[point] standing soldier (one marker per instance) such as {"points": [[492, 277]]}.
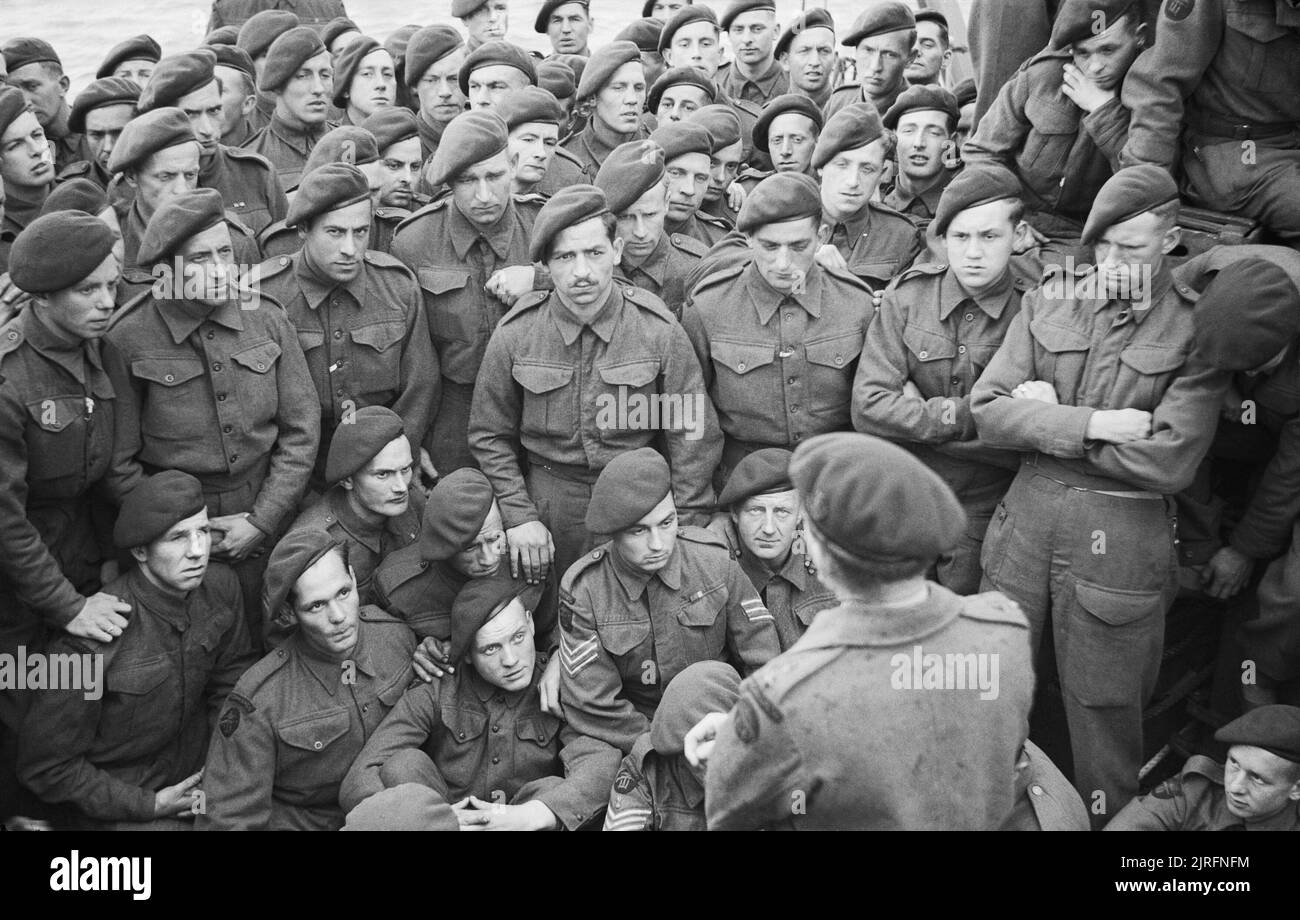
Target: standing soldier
{"points": [[256, 36], [298, 73], [882, 38], [753, 73], [566, 24], [433, 61], [483, 20], [613, 83], [397, 138], [133, 59], [35, 70], [806, 49], [540, 165], [100, 113], [494, 69], [923, 120]]}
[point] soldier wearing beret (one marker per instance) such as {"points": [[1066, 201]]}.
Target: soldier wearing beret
{"points": [[923, 121], [612, 95], [256, 36], [678, 92], [365, 80], [566, 24], [213, 382], [937, 328], [315, 13], [876, 518], [338, 34], [786, 130], [35, 69], [494, 69], [558, 78], [432, 70], [133, 59], [26, 169], [1257, 788], [129, 753], [644, 33], [534, 117], [238, 94], [483, 20], [881, 38], [297, 719], [726, 154], [396, 130], [100, 113], [1095, 385], [688, 162], [753, 73], [806, 51]]}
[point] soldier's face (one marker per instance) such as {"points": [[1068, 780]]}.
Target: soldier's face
{"points": [[724, 166], [979, 244], [1258, 783], [810, 59], [305, 99], [482, 191], [489, 22], [881, 60], [234, 93], [82, 311], [922, 141], [324, 601], [695, 45], [652, 63], [374, 85], [766, 524], [568, 28], [103, 127], [503, 652], [850, 178], [336, 241], [398, 167], [641, 225], [1106, 57], [489, 83], [26, 160], [929, 56], [752, 36], [484, 556], [784, 252], [679, 101], [179, 558], [688, 180], [664, 9], [582, 264], [207, 116], [1129, 253], [207, 262], [170, 172], [138, 71], [383, 487], [532, 145], [791, 138], [43, 88], [647, 545], [439, 89], [620, 101]]}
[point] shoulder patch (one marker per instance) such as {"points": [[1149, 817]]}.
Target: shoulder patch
{"points": [[689, 244], [745, 720], [524, 304], [994, 607], [257, 675], [625, 781], [570, 577]]}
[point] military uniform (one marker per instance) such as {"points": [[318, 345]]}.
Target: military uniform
{"points": [[1045, 800], [286, 148], [247, 185], [564, 170], [791, 593], [313, 13], [22, 205], [920, 208], [655, 793], [277, 240], [594, 143], [137, 278], [1195, 800], [701, 226], [430, 136], [845, 95], [771, 83], [663, 272], [878, 243], [419, 591], [85, 169]]}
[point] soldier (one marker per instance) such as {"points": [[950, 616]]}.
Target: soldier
{"points": [[401, 159], [87, 197], [26, 168], [483, 20], [753, 73], [469, 252], [35, 69], [931, 51], [494, 69], [127, 753], [644, 33], [786, 130], [256, 36], [364, 80], [238, 94], [806, 50], [133, 59], [613, 87], [299, 717], [938, 327], [876, 518], [1045, 800], [678, 93], [688, 149], [299, 75], [100, 113], [657, 598], [1094, 384], [923, 120], [338, 34], [558, 79], [881, 38], [433, 61], [726, 154], [315, 13], [1256, 789], [540, 166], [566, 24], [663, 9]]}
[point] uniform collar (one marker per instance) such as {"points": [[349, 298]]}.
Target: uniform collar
{"points": [[767, 299], [23, 204], [166, 603], [465, 233], [67, 355], [316, 287], [181, 320], [764, 81], [301, 139], [854, 623], [992, 301], [858, 225], [1160, 285], [655, 264], [602, 324], [930, 197], [430, 133], [329, 671], [792, 570], [58, 126], [634, 581], [602, 140], [365, 533]]}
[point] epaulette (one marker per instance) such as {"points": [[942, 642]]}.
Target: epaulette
{"points": [[389, 213], [127, 308], [994, 607], [256, 676], [918, 270], [724, 274], [73, 171], [750, 172], [846, 88], [435, 205], [10, 337], [647, 301], [239, 153], [233, 219], [1187, 291], [1045, 55], [689, 244], [1200, 765], [704, 537], [712, 219], [524, 304], [583, 562], [372, 614], [271, 229], [529, 198], [847, 276], [270, 268], [887, 211], [384, 260]]}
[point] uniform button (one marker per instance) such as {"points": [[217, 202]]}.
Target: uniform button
{"points": [[227, 428], [496, 728], [318, 745], [790, 380], [339, 391], [1036, 789], [788, 316], [221, 397], [170, 378], [740, 366], [216, 366], [969, 316], [234, 457], [923, 355], [338, 333], [961, 350], [261, 366], [12, 335], [797, 436], [461, 736], [211, 334], [956, 380], [496, 759], [839, 359]]}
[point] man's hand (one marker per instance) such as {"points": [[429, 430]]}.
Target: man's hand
{"points": [[1040, 390], [548, 688], [735, 196], [699, 740], [430, 660], [1083, 92], [1226, 573], [911, 390], [239, 537], [428, 472], [510, 283], [101, 618], [1118, 426], [177, 801], [829, 257], [531, 549], [474, 814]]}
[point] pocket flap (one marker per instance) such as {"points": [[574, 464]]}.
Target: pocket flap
{"points": [[310, 338], [928, 346], [316, 732], [542, 378], [440, 281], [464, 724], [740, 357], [539, 728], [1050, 117], [630, 374], [882, 270], [620, 638], [54, 413], [1153, 359], [260, 358], [1116, 606], [138, 680], [838, 352], [379, 336], [169, 372], [1262, 28], [1056, 338], [702, 607]]}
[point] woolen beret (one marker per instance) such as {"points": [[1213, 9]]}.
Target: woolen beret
{"points": [[107, 91], [766, 470], [176, 221], [630, 170], [736, 7], [356, 442], [155, 506], [679, 138], [404, 807], [977, 184], [146, 134], [881, 17], [1078, 20], [815, 18], [570, 205], [644, 33], [490, 53], [679, 76], [469, 138], [12, 104], [557, 78], [577, 63], [479, 600], [327, 188], [396, 45], [684, 17], [462, 8], [529, 105], [1132, 191], [696, 691], [783, 104], [780, 197], [549, 7], [427, 47], [391, 124], [964, 92], [261, 30], [721, 122], [19, 52], [349, 62], [296, 552], [1248, 313], [236, 59], [454, 514], [921, 98], [138, 48], [1275, 728], [339, 25], [176, 76], [627, 489], [874, 501], [76, 195], [226, 35], [287, 54], [853, 126], [57, 250], [345, 144], [602, 65]]}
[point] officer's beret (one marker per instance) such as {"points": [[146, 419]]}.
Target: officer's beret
{"points": [[480, 600], [627, 489], [528, 105], [176, 221], [1275, 728], [391, 124], [853, 126], [549, 7], [469, 138], [875, 501], [108, 91], [287, 54], [630, 170], [684, 17], [262, 29], [327, 188], [1247, 314], [344, 144], [226, 35], [977, 184], [76, 195], [783, 104], [427, 47], [1132, 191], [736, 7], [920, 98], [176, 76], [679, 138], [339, 25], [236, 59], [1077, 20], [766, 470], [155, 506], [146, 134], [348, 63], [404, 807], [490, 53], [721, 122], [881, 17], [644, 33], [815, 18], [57, 250], [602, 65], [12, 104], [19, 52], [462, 8], [557, 78], [678, 76], [780, 197], [139, 48], [931, 16], [453, 516], [356, 442], [296, 552], [569, 206], [964, 93], [699, 689]]}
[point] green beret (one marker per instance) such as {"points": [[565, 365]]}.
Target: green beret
{"points": [[226, 35], [427, 47], [1078, 20], [644, 33], [390, 125], [101, 93], [721, 122], [766, 470], [549, 7], [12, 104], [783, 104], [679, 138], [296, 552], [874, 501], [146, 134], [920, 98], [569, 206], [1132, 191], [1275, 728], [236, 59], [630, 170], [327, 188], [176, 76], [964, 93], [815, 18], [627, 489], [139, 48], [489, 53], [350, 144], [469, 138], [177, 221], [1247, 314], [262, 29], [57, 250], [339, 25], [479, 600], [778, 198], [977, 184], [529, 105], [882, 17], [19, 52], [853, 126], [736, 7], [358, 441], [453, 516], [602, 65], [155, 506], [696, 691], [76, 195], [462, 8], [684, 17], [287, 54], [557, 78], [679, 76], [409, 806], [348, 63]]}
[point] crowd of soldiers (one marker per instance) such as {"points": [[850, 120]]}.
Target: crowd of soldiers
{"points": [[423, 433]]}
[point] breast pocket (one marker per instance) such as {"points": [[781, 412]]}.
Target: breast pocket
{"points": [[377, 357], [1061, 355], [628, 643], [139, 707], [176, 387], [259, 393], [744, 375], [704, 629], [315, 753], [459, 758], [55, 445], [1265, 56], [550, 405], [538, 746], [630, 384], [831, 362], [1145, 375], [1053, 129]]}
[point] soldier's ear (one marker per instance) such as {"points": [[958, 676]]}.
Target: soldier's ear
{"points": [[346, 481], [139, 554], [823, 233], [1173, 236], [250, 102], [617, 245]]}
